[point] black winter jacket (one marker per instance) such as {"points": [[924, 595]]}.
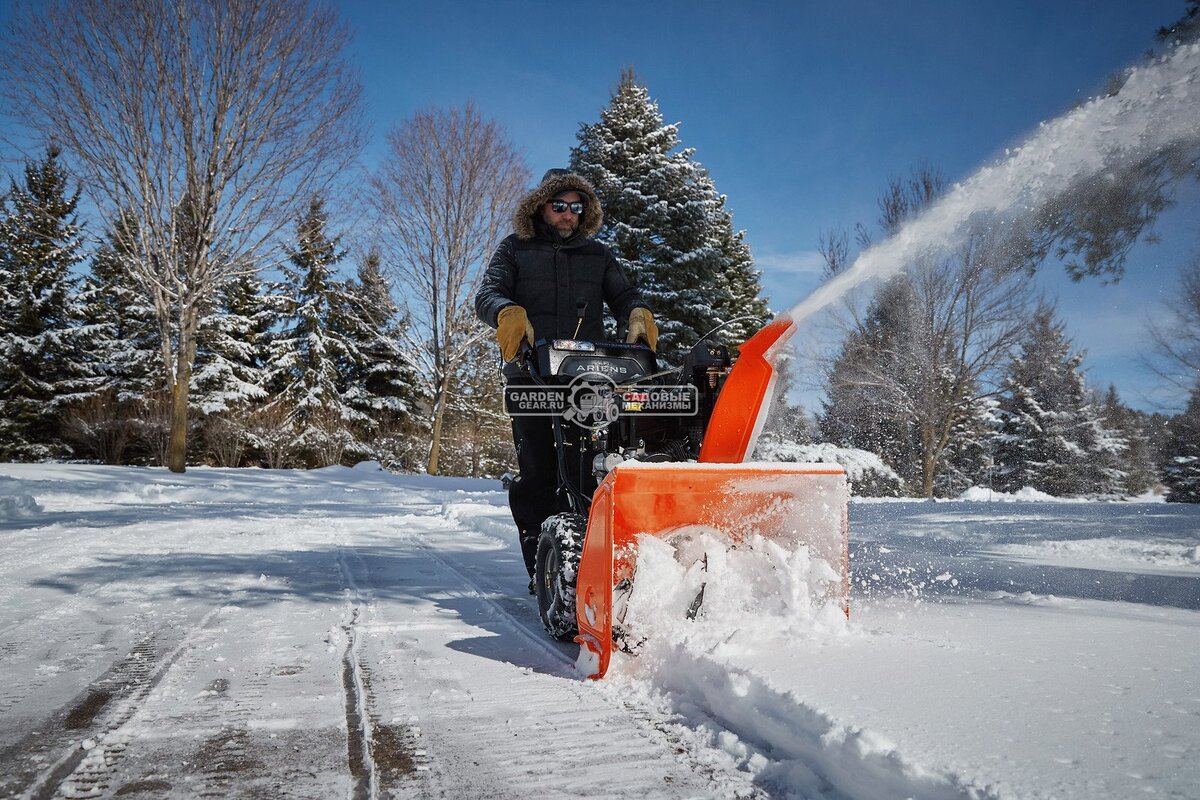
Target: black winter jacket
{"points": [[549, 276]]}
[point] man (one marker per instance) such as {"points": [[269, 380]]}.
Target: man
{"points": [[551, 280]]}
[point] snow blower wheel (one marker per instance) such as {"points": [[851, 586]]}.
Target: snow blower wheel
{"points": [[556, 567]]}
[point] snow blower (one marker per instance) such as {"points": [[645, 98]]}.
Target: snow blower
{"points": [[643, 452]]}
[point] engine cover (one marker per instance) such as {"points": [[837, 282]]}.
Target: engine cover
{"points": [[569, 358]]}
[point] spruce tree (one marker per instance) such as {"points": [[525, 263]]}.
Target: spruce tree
{"points": [[43, 368], [740, 302], [125, 336], [965, 461], [1051, 435], [381, 383], [231, 348], [478, 432], [1181, 454], [865, 408], [1137, 459], [310, 357], [665, 222]]}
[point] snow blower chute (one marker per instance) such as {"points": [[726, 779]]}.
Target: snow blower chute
{"points": [[640, 455]]}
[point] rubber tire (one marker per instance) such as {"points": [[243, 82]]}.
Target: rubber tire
{"points": [[556, 570]]}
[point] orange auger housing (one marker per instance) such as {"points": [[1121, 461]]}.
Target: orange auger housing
{"points": [[801, 503]]}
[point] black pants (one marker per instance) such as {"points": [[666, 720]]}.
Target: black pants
{"points": [[534, 495]]}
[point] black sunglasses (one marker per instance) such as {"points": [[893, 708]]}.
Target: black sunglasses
{"points": [[559, 206]]}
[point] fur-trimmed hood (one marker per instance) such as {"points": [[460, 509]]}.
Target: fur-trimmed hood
{"points": [[555, 182]]}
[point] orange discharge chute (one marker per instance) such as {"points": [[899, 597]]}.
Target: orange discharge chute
{"points": [[804, 504]]}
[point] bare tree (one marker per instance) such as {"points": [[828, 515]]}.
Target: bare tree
{"points": [[1175, 335], [208, 122], [444, 196]]}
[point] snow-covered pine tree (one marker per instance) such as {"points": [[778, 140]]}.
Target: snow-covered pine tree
{"points": [[123, 351], [1137, 459], [665, 222], [43, 367], [788, 423], [381, 384], [309, 357], [1051, 435], [230, 371], [478, 432], [1181, 454], [125, 336], [741, 293], [865, 409], [229, 379], [966, 459]]}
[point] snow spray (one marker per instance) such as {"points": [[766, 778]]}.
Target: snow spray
{"points": [[1158, 106]]}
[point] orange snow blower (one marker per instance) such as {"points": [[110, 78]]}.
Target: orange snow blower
{"points": [[640, 455]]}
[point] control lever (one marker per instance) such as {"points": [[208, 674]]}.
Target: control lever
{"points": [[581, 305]]}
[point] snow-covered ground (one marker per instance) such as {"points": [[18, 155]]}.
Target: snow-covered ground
{"points": [[354, 633]]}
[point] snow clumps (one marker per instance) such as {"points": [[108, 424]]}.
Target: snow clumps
{"points": [[696, 589]]}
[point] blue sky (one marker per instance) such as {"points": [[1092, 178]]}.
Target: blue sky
{"points": [[800, 111]]}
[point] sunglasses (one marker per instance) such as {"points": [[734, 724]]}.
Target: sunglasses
{"points": [[559, 206]]}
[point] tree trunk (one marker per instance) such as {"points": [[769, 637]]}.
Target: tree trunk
{"points": [[435, 446], [185, 356], [177, 445]]}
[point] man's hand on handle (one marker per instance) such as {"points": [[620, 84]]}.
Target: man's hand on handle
{"points": [[512, 326], [641, 326]]}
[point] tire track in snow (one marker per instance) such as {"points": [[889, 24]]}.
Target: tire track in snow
{"points": [[528, 732], [533, 634], [358, 730], [255, 708], [84, 767], [382, 756]]}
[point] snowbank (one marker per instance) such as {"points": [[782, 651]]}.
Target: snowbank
{"points": [[865, 471], [15, 500], [18, 506], [1028, 494]]}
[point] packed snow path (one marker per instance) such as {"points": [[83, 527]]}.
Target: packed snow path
{"points": [[353, 633]]}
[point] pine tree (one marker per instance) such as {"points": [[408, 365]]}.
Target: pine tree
{"points": [[740, 302], [125, 336], [1051, 434], [864, 409], [665, 222], [1181, 454], [309, 359], [478, 431], [123, 352], [381, 384], [1137, 459], [966, 459], [42, 340], [230, 371]]}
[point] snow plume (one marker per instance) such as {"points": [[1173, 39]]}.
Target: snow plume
{"points": [[1156, 108]]}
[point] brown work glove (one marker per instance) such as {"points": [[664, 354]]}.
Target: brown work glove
{"points": [[641, 326], [511, 327]]}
